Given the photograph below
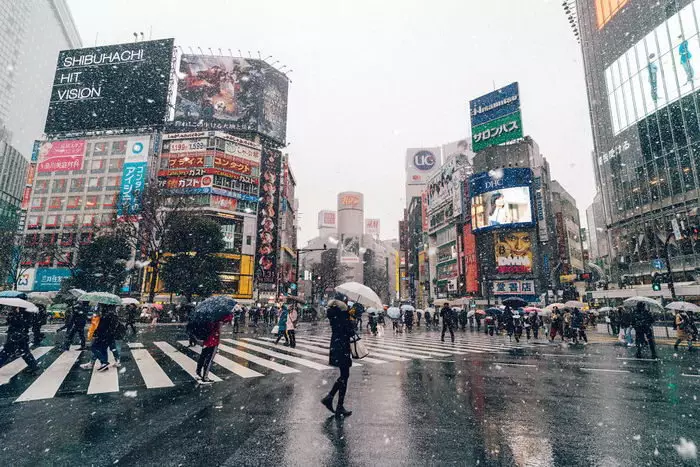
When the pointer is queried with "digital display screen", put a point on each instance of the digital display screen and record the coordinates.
(502, 207)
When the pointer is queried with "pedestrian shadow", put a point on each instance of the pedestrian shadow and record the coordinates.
(334, 430)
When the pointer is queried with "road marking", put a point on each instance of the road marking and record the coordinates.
(152, 374)
(639, 359)
(230, 365)
(528, 365)
(605, 370)
(281, 356)
(690, 376)
(185, 362)
(324, 351)
(13, 368)
(294, 351)
(425, 351)
(135, 345)
(47, 384)
(260, 361)
(382, 355)
(558, 355)
(104, 381)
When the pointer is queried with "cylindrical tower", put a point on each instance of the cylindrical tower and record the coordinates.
(351, 218)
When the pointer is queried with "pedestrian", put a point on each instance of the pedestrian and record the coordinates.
(642, 321)
(381, 324)
(419, 315)
(578, 327)
(209, 347)
(39, 319)
(115, 345)
(428, 318)
(436, 319)
(76, 324)
(131, 314)
(408, 319)
(535, 323)
(282, 326)
(478, 317)
(342, 331)
(625, 326)
(517, 320)
(292, 317)
(237, 313)
(256, 316)
(527, 325)
(447, 321)
(685, 329)
(18, 322)
(566, 318)
(507, 319)
(191, 332)
(463, 319)
(154, 315)
(102, 337)
(556, 324)
(614, 322)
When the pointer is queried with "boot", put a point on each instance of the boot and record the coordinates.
(341, 412)
(328, 402)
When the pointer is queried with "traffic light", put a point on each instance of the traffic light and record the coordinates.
(656, 282)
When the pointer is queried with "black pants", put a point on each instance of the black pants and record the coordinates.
(279, 336)
(130, 324)
(445, 326)
(21, 347)
(340, 386)
(292, 338)
(615, 329)
(75, 329)
(205, 360)
(36, 331)
(236, 325)
(535, 332)
(642, 334)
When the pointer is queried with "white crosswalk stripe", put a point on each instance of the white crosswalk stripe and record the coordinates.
(13, 368)
(402, 352)
(281, 356)
(152, 374)
(296, 351)
(324, 350)
(185, 362)
(382, 355)
(104, 381)
(257, 360)
(47, 384)
(230, 365)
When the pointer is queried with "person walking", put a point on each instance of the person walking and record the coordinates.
(566, 318)
(428, 318)
(39, 320)
(115, 345)
(447, 321)
(578, 328)
(408, 319)
(517, 325)
(209, 347)
(556, 325)
(132, 312)
(614, 322)
(419, 315)
(17, 343)
(76, 325)
(282, 326)
(342, 331)
(103, 336)
(625, 326)
(642, 321)
(237, 313)
(292, 318)
(685, 329)
(535, 323)
(463, 319)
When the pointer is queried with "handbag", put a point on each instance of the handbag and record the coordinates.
(357, 348)
(275, 330)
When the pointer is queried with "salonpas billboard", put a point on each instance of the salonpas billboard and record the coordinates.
(495, 117)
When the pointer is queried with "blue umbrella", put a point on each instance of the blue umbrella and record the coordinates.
(494, 311)
(214, 308)
(13, 294)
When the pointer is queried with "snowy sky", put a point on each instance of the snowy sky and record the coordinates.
(372, 78)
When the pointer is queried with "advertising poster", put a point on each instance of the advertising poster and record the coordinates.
(495, 117)
(421, 164)
(134, 176)
(513, 252)
(501, 198)
(61, 156)
(470, 260)
(327, 219)
(350, 249)
(113, 86)
(49, 279)
(267, 241)
(231, 93)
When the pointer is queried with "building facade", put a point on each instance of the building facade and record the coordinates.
(568, 230)
(645, 112)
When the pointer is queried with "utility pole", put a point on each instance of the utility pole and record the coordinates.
(669, 272)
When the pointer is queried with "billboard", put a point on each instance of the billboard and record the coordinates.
(350, 249)
(327, 219)
(25, 282)
(421, 164)
(495, 117)
(513, 252)
(514, 287)
(49, 279)
(266, 245)
(372, 227)
(501, 198)
(60, 156)
(606, 9)
(350, 200)
(229, 93)
(470, 260)
(656, 71)
(134, 176)
(112, 86)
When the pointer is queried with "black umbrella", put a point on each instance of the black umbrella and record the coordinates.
(214, 308)
(494, 311)
(514, 302)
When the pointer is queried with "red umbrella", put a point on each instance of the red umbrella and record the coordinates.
(480, 312)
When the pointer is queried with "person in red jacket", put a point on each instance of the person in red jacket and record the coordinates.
(210, 346)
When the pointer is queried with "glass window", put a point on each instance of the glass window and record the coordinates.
(38, 204)
(92, 201)
(53, 221)
(668, 73)
(608, 80)
(41, 187)
(662, 39)
(113, 181)
(88, 219)
(97, 166)
(67, 238)
(115, 165)
(686, 167)
(101, 149)
(34, 222)
(629, 102)
(77, 184)
(74, 202)
(675, 174)
(56, 203)
(95, 183)
(110, 200)
(71, 220)
(106, 219)
(687, 19)
(615, 70)
(59, 186)
(119, 148)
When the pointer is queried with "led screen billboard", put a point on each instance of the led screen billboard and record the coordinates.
(230, 93)
(501, 198)
(656, 71)
(112, 86)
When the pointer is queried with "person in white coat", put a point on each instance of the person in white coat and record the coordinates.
(291, 322)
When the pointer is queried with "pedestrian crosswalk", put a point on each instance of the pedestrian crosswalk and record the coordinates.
(161, 364)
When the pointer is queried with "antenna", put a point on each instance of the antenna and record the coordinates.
(265, 59)
(210, 51)
(259, 56)
(220, 53)
(249, 55)
(142, 36)
(230, 53)
(96, 35)
(200, 50)
(136, 37)
(191, 51)
(240, 54)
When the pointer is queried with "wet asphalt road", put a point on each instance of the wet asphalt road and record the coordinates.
(492, 404)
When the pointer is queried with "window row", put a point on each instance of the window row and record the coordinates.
(57, 221)
(75, 185)
(76, 203)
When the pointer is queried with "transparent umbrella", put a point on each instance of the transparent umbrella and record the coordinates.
(683, 306)
(18, 303)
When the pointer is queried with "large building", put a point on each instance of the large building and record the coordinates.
(568, 230)
(640, 58)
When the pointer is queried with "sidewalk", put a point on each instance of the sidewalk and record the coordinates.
(601, 334)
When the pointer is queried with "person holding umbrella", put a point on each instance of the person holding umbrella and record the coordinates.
(340, 356)
(76, 324)
(18, 322)
(685, 329)
(209, 347)
(209, 315)
(642, 321)
(447, 321)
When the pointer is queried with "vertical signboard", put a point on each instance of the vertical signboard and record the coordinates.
(134, 175)
(495, 117)
(470, 260)
(540, 206)
(267, 242)
(421, 164)
(327, 219)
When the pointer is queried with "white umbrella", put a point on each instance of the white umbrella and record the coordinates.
(441, 301)
(574, 304)
(683, 306)
(470, 313)
(19, 303)
(76, 292)
(632, 302)
(550, 307)
(393, 312)
(39, 298)
(130, 301)
(360, 293)
(605, 309)
(407, 308)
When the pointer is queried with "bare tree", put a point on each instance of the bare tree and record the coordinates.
(327, 274)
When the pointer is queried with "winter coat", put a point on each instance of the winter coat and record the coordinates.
(291, 317)
(642, 318)
(282, 322)
(107, 328)
(79, 316)
(18, 323)
(214, 334)
(683, 329)
(577, 319)
(342, 329)
(625, 319)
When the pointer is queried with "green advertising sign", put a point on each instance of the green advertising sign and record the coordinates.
(500, 130)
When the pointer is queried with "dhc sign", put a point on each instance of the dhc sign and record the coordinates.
(424, 160)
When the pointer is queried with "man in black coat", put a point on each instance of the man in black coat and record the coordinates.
(340, 356)
(18, 323)
(447, 321)
(76, 325)
(642, 321)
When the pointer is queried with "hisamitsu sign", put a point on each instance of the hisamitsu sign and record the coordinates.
(495, 117)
